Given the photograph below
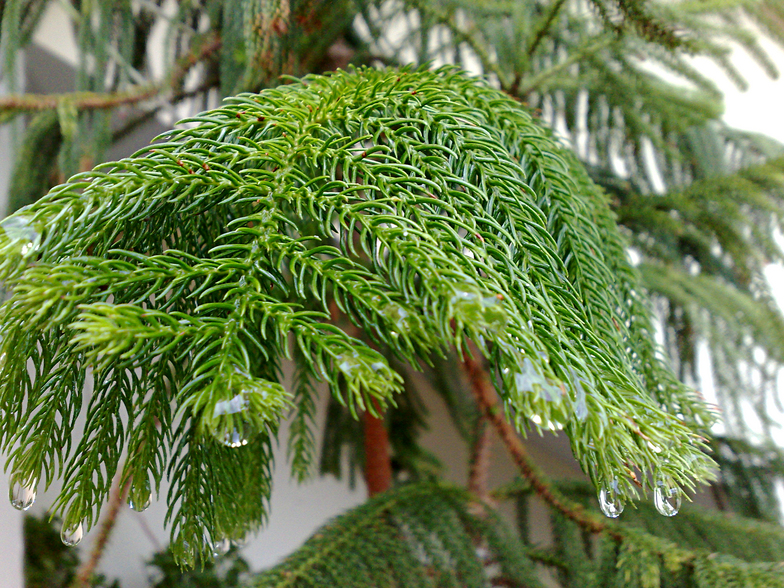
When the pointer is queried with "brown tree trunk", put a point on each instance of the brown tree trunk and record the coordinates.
(481, 455)
(378, 467)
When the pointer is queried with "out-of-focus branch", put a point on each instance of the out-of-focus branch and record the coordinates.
(108, 100)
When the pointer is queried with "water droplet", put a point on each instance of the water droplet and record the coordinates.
(349, 363)
(398, 316)
(610, 502)
(236, 431)
(221, 547)
(525, 380)
(72, 534)
(23, 236)
(467, 303)
(580, 406)
(236, 437)
(23, 496)
(667, 498)
(139, 497)
(493, 312)
(551, 425)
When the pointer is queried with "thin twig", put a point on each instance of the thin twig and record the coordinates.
(590, 47)
(545, 28)
(486, 398)
(117, 498)
(108, 100)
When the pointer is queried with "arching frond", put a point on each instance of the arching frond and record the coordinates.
(429, 207)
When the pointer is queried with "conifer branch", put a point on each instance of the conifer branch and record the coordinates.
(424, 535)
(543, 29)
(179, 275)
(591, 46)
(640, 552)
(110, 100)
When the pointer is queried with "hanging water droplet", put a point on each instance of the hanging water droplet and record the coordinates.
(467, 302)
(221, 547)
(555, 425)
(610, 502)
(240, 430)
(667, 498)
(139, 497)
(72, 534)
(525, 380)
(580, 406)
(398, 316)
(551, 425)
(23, 496)
(493, 312)
(237, 437)
(21, 233)
(348, 363)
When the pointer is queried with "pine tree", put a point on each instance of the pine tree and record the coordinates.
(399, 214)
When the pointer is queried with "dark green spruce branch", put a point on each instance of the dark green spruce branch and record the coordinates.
(417, 535)
(427, 534)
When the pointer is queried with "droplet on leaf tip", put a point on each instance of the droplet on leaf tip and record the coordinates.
(610, 502)
(72, 535)
(235, 437)
(139, 499)
(667, 498)
(234, 431)
(221, 547)
(23, 495)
